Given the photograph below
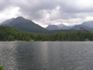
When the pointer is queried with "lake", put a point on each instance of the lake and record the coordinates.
(46, 55)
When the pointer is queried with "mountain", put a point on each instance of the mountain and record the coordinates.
(23, 24)
(52, 27)
(64, 27)
(80, 27)
(26, 25)
(88, 24)
(58, 27)
(85, 26)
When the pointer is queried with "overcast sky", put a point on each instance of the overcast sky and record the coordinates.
(44, 12)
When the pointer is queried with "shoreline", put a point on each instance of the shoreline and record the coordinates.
(45, 41)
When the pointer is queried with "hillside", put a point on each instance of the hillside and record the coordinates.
(23, 24)
(11, 34)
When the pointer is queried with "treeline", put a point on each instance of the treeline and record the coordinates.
(71, 36)
(11, 34)
(1, 67)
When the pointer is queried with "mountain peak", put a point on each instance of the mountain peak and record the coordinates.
(22, 24)
(20, 18)
(52, 27)
(88, 24)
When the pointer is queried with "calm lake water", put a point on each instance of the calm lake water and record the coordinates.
(46, 55)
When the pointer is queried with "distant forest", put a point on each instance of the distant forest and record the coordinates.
(11, 34)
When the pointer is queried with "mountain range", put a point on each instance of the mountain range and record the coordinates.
(23, 24)
(26, 25)
(58, 27)
(85, 26)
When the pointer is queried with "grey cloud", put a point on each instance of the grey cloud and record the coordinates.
(32, 8)
(3, 4)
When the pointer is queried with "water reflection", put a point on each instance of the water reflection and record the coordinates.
(7, 55)
(46, 55)
(32, 56)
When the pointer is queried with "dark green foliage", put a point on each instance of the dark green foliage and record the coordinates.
(11, 34)
(1, 68)
(67, 36)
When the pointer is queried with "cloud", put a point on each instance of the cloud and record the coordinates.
(10, 12)
(49, 15)
(46, 12)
